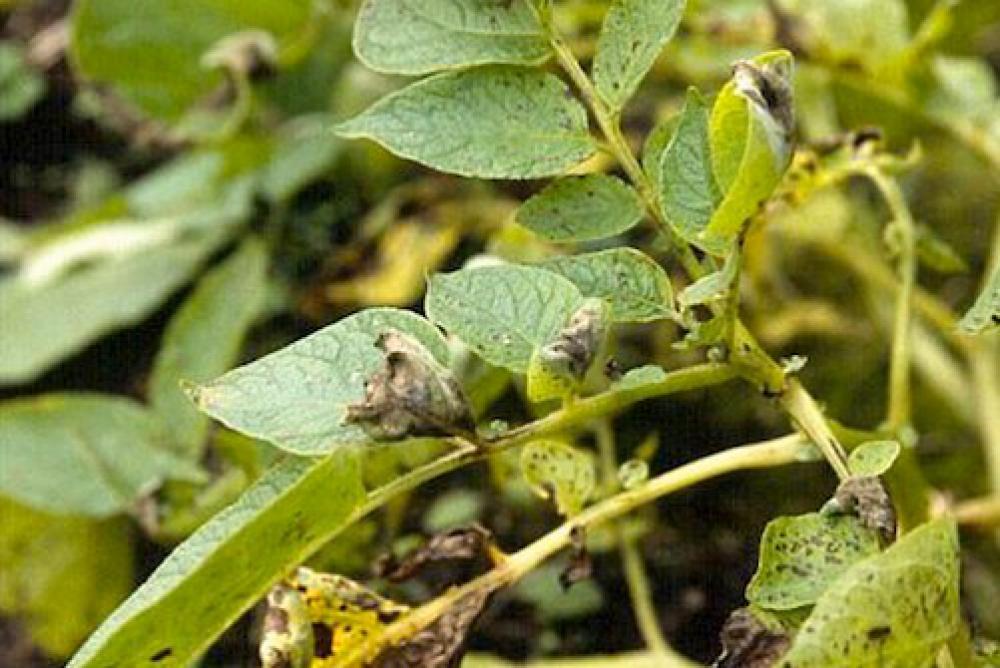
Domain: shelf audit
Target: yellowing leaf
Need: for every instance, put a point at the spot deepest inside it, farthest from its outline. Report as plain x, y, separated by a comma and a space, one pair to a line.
559, 472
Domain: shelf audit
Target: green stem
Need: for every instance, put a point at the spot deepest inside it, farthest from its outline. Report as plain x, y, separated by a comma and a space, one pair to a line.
769, 454
635, 570
799, 404
899, 365
575, 416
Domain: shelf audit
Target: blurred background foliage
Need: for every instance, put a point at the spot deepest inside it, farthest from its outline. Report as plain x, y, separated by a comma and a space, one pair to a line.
173, 202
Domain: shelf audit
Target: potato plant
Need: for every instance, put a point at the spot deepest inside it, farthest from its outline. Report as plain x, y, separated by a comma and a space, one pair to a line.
492, 249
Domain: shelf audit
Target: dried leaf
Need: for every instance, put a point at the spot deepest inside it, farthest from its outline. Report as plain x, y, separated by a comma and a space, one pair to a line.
440, 645
464, 543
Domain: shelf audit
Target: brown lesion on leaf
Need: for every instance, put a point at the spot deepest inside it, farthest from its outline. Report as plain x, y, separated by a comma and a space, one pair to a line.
411, 395
579, 343
749, 643
866, 497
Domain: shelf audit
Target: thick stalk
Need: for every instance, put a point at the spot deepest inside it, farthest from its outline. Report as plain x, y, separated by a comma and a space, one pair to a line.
769, 454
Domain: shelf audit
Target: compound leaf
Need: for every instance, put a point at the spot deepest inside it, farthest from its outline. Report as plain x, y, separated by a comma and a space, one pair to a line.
229, 564
633, 34
204, 339
490, 122
83, 454
582, 208
636, 287
297, 397
894, 609
423, 36
502, 312
801, 556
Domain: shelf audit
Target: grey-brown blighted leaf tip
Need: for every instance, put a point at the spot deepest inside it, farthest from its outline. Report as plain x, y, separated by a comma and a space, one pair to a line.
767, 85
410, 395
747, 642
579, 343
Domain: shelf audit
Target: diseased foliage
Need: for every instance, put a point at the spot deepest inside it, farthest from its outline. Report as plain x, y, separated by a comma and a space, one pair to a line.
390, 240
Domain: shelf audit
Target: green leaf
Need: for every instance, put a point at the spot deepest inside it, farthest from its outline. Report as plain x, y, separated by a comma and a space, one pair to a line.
634, 284
83, 454
683, 173
153, 57
297, 397
750, 133
61, 576
229, 564
60, 307
20, 87
423, 36
559, 472
502, 312
801, 556
633, 34
984, 315
203, 340
711, 286
873, 458
895, 609
582, 208
490, 122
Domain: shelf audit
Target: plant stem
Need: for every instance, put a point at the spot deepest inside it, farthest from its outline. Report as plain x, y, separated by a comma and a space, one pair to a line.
576, 415
983, 512
635, 570
799, 404
768, 454
899, 365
